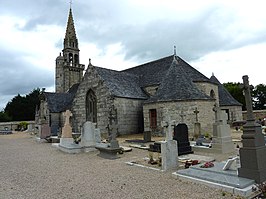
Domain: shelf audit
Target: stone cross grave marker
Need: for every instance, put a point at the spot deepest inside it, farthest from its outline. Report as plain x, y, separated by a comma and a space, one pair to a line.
67, 129
168, 129
222, 140
113, 127
253, 152
196, 112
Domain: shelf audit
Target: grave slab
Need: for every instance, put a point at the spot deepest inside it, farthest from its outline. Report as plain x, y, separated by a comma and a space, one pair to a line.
226, 180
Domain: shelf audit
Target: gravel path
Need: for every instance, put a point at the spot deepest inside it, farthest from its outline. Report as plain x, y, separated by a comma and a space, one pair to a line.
33, 170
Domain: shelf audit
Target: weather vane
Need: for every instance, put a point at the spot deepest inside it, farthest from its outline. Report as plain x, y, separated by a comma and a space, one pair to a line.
174, 50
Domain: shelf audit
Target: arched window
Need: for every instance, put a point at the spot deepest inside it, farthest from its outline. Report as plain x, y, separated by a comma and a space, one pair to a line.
76, 59
70, 59
91, 107
212, 94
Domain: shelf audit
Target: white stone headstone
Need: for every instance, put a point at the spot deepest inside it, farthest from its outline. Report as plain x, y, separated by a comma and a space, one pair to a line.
88, 135
169, 155
97, 133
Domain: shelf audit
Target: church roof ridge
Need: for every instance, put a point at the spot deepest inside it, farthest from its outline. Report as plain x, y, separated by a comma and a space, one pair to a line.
151, 73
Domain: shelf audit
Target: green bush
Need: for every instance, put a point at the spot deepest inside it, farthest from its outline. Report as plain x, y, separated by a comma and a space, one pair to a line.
23, 126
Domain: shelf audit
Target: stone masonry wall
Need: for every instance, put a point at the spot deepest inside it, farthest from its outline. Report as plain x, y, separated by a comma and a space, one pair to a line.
91, 80
207, 87
258, 114
172, 110
130, 115
235, 113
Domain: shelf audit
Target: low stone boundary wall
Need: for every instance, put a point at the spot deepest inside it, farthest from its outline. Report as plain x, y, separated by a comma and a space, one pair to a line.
12, 126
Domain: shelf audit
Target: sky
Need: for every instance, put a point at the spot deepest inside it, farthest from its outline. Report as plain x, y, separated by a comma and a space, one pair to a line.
227, 38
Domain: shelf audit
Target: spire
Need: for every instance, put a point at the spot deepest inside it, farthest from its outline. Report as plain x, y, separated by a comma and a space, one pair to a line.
70, 30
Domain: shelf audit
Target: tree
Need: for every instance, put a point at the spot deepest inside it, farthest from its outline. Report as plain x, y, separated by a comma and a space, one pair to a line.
4, 117
236, 90
259, 96
23, 107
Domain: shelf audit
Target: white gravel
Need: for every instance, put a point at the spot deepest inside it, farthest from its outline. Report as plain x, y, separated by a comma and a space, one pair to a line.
33, 170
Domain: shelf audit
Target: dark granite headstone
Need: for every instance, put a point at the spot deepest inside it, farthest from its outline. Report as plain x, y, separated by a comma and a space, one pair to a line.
181, 136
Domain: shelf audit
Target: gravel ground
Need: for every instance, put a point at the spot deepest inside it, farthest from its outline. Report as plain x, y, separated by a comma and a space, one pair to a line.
33, 170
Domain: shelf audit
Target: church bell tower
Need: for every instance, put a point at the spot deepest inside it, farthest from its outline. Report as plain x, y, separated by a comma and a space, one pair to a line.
68, 69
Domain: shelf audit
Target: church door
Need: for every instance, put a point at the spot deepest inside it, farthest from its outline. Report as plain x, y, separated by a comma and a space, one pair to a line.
153, 118
91, 107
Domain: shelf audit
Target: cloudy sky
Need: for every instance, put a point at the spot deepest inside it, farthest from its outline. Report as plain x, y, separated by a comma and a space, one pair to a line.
227, 38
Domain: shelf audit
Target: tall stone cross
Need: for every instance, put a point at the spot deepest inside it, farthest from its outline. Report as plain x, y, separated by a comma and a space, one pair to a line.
67, 115
215, 109
250, 115
67, 129
168, 129
196, 112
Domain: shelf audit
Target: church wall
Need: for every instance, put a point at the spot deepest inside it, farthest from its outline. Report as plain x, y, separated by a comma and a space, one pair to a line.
172, 111
129, 115
235, 113
207, 87
91, 80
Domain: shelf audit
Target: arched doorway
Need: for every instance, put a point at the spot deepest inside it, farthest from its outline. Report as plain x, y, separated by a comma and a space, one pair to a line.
91, 107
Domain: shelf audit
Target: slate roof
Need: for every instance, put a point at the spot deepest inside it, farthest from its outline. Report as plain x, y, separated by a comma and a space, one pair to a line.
122, 84
152, 73
60, 102
225, 98
177, 85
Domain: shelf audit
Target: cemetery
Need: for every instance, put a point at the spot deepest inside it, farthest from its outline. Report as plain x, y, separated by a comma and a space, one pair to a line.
158, 130
232, 161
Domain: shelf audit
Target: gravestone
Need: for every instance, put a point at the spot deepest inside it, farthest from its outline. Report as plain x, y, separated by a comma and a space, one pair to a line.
66, 141
88, 136
181, 136
110, 150
197, 126
45, 131
169, 147
222, 140
97, 133
67, 129
253, 152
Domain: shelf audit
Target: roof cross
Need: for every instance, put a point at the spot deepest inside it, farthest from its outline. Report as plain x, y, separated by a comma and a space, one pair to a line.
70, 3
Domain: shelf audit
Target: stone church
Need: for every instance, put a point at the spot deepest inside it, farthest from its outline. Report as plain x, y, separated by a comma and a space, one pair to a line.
142, 96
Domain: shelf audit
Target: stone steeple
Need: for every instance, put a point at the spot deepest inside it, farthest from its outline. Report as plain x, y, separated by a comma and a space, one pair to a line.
68, 69
70, 36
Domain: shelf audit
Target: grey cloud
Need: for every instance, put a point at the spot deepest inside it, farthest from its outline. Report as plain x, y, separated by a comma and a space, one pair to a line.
18, 76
